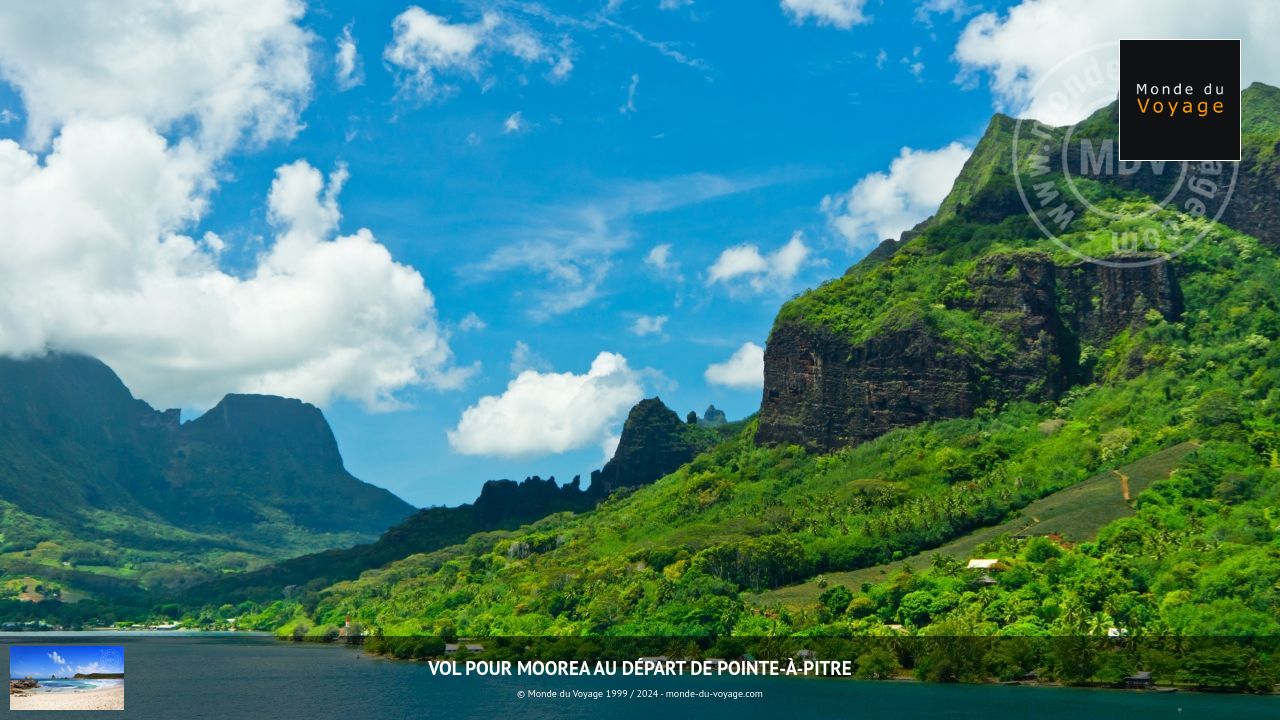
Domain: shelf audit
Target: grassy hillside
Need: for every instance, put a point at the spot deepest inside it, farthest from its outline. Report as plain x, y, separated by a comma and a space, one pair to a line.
677, 557
1071, 515
1197, 551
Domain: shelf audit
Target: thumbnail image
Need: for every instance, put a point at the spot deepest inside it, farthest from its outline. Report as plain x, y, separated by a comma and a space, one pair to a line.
66, 677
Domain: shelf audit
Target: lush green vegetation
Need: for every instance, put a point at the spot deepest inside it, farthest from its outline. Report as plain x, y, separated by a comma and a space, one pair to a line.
102, 495
1196, 552
1198, 555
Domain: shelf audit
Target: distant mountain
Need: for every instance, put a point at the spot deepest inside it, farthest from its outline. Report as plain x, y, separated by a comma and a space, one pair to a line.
91, 477
654, 443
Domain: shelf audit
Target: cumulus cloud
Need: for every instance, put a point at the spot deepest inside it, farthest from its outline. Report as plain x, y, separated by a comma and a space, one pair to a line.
843, 14
882, 205
1017, 50
648, 325
514, 123
429, 52
546, 412
96, 255
233, 68
760, 271
57, 659
348, 70
744, 370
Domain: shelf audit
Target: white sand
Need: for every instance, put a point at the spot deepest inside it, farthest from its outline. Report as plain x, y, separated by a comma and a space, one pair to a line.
107, 698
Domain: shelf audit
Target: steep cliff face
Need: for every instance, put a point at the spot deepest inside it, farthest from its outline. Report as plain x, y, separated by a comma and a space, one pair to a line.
654, 442
972, 306
824, 392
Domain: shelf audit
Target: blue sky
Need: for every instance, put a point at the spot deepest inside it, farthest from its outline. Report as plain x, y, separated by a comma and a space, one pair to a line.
43, 661
476, 231
789, 113
700, 128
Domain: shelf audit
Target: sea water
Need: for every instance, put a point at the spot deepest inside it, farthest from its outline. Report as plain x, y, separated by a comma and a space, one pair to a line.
72, 685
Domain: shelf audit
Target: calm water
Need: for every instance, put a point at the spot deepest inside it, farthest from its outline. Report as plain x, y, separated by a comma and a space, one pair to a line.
254, 677
48, 685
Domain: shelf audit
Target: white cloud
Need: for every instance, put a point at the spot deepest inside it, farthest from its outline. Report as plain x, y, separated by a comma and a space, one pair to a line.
57, 659
348, 70
572, 247
471, 322
425, 46
562, 69
514, 123
659, 256
95, 255
235, 68
1018, 50
7, 116
673, 4
744, 370
542, 413
882, 205
629, 106
881, 58
843, 14
914, 64
429, 52
648, 325
955, 8
761, 271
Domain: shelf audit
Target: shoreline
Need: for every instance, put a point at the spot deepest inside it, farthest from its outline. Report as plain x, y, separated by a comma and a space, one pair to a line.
107, 698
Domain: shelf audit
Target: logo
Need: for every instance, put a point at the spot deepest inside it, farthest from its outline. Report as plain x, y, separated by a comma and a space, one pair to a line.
1095, 205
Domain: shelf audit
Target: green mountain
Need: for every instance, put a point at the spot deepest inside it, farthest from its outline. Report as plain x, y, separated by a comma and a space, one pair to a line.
101, 493
654, 442
942, 386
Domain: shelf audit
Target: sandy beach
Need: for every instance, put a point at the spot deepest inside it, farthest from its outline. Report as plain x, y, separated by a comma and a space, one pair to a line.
108, 698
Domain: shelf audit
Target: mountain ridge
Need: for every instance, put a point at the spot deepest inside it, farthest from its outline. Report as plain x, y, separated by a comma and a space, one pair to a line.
1185, 356
91, 476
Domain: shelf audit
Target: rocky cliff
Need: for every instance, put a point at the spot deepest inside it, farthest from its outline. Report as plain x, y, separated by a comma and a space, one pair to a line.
962, 310
824, 391
654, 442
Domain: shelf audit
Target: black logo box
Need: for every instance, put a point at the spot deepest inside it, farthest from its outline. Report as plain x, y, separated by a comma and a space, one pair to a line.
1190, 64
